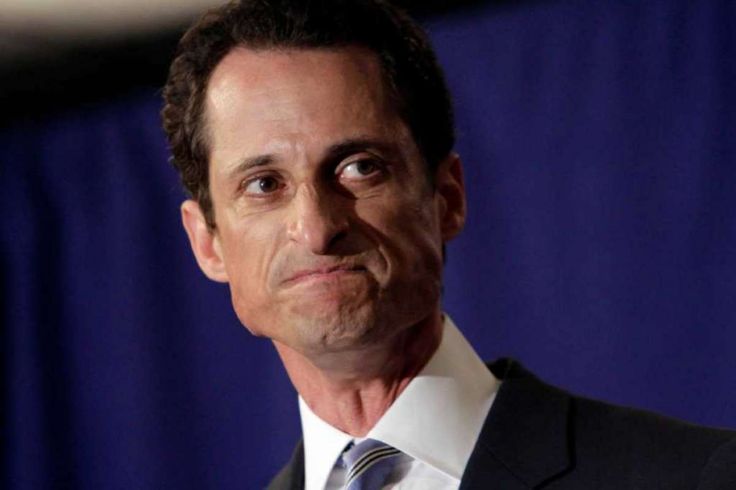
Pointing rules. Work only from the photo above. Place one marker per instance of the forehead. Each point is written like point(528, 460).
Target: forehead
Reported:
point(244, 67)
point(291, 90)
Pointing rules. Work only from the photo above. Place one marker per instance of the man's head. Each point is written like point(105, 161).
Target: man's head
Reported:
point(409, 68)
point(327, 228)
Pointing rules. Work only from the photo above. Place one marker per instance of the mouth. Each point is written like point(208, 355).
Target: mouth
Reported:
point(324, 273)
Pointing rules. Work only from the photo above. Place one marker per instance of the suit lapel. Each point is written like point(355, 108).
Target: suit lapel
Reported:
point(524, 440)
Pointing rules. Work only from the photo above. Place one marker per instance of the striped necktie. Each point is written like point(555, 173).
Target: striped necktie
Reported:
point(369, 464)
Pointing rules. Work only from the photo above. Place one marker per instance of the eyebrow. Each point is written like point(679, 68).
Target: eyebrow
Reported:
point(335, 152)
point(251, 162)
point(355, 145)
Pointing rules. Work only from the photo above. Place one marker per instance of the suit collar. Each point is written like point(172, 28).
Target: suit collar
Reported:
point(524, 440)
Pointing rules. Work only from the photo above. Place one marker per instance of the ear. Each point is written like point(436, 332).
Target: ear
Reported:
point(450, 190)
point(205, 242)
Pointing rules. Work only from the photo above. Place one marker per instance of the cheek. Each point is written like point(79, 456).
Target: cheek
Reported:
point(248, 246)
point(252, 302)
point(248, 251)
point(412, 249)
point(409, 234)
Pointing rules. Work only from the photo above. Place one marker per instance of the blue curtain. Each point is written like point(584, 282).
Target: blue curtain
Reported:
point(599, 146)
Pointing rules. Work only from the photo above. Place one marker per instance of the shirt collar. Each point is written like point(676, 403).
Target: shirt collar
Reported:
point(436, 419)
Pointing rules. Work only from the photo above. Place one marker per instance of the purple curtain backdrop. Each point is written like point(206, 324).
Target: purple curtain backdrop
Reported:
point(599, 142)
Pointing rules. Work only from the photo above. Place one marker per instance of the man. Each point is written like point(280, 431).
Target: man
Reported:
point(316, 141)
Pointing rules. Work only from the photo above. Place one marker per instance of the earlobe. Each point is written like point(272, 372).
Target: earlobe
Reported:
point(450, 188)
point(205, 242)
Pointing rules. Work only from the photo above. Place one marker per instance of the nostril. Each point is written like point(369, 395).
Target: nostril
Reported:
point(337, 237)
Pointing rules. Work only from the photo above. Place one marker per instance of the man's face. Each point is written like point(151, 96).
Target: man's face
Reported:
point(329, 231)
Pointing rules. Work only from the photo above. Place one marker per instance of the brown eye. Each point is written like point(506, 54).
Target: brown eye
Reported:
point(262, 185)
point(359, 169)
point(365, 167)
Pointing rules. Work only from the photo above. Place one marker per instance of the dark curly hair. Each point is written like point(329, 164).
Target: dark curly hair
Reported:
point(409, 67)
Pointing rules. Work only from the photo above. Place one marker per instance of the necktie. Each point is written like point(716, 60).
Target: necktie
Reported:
point(369, 464)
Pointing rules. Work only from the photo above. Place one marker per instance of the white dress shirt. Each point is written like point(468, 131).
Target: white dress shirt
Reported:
point(435, 423)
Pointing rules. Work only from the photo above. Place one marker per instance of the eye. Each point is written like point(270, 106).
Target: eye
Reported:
point(359, 169)
point(262, 185)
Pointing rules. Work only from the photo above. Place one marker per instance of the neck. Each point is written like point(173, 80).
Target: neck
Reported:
point(351, 390)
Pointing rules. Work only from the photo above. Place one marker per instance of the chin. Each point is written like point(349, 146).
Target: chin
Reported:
point(341, 330)
point(334, 330)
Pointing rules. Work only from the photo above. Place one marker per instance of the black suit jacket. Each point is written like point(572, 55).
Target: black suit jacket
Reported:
point(537, 436)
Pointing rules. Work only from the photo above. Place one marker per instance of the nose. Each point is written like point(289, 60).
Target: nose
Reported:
point(319, 220)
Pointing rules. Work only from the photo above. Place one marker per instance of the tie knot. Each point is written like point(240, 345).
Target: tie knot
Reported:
point(369, 463)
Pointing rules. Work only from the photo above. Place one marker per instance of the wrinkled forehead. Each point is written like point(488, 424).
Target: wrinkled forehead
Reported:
point(251, 91)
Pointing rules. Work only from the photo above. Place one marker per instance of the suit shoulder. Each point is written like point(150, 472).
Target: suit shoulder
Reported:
point(654, 447)
point(603, 419)
point(645, 427)
point(606, 446)
point(720, 472)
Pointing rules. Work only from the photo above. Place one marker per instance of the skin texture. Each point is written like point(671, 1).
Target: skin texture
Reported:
point(328, 229)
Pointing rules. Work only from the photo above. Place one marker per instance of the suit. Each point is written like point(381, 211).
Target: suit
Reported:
point(537, 436)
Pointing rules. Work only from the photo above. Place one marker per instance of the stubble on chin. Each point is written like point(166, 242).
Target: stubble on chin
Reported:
point(331, 330)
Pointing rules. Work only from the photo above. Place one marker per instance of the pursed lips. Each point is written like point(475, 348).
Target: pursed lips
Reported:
point(306, 274)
